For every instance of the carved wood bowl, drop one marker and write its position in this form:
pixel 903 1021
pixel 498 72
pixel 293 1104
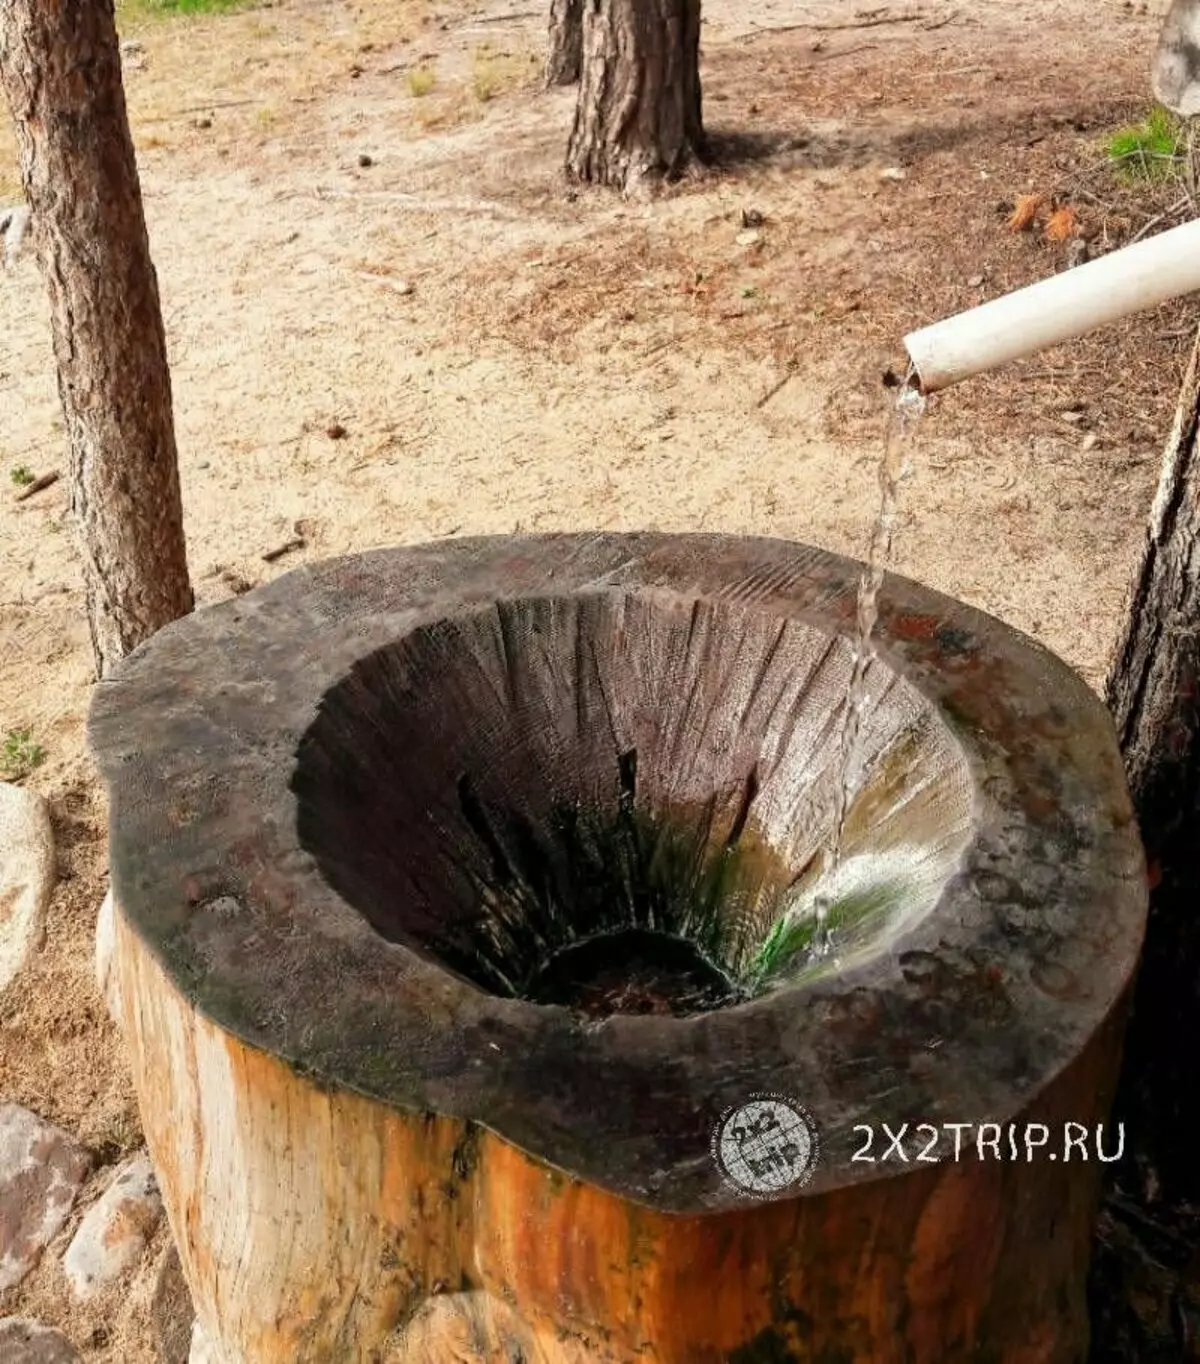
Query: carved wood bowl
pixel 530 834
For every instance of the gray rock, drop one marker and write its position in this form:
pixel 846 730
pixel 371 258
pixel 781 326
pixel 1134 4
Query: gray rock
pixel 27 874
pixel 28 1342
pixel 41 1172
pixel 171 1311
pixel 1176 72
pixel 113 1234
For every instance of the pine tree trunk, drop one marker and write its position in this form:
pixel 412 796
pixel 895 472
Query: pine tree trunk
pixel 565 54
pixel 638 117
pixel 61 71
pixel 1152 690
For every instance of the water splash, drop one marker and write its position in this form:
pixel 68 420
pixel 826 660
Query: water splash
pixel 893 467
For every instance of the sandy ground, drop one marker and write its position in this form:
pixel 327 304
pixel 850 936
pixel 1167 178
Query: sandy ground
pixel 504 353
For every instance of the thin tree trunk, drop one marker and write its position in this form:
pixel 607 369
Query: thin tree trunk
pixel 565 54
pixel 638 116
pixel 61 71
pixel 1153 690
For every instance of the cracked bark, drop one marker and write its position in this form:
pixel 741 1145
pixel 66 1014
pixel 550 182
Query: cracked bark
pixel 638 115
pixel 61 72
pixel 1151 690
pixel 565 53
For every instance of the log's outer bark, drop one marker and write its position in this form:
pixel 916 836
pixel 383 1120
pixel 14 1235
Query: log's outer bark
pixel 1153 690
pixel 318 1226
pixel 638 115
pixel 565 54
pixel 60 66
pixel 1151 687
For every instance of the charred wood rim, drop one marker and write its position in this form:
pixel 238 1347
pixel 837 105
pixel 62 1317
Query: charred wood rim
pixel 996 986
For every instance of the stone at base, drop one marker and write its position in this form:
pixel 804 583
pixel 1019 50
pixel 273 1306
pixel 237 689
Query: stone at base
pixel 28 1342
pixel 113 1234
pixel 41 1172
pixel 27 872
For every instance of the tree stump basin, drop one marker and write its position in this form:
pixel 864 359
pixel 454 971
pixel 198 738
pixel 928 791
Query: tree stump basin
pixel 469 960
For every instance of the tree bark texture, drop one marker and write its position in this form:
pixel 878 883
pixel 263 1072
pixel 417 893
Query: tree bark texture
pixel 1153 690
pixel 565 54
pixel 638 117
pixel 60 67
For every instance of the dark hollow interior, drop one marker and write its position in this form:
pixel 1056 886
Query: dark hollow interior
pixel 614 802
pixel 632 971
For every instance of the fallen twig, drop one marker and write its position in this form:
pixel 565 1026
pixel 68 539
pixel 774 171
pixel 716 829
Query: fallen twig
pixel 417 204
pixel 205 108
pixel 847 51
pixel 480 19
pixel 775 388
pixel 656 346
pixel 1162 217
pixel 280 550
pixel 1068 372
pixel 39 484
pixel 873 19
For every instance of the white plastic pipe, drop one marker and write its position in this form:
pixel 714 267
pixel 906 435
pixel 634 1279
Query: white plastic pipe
pixel 1057 309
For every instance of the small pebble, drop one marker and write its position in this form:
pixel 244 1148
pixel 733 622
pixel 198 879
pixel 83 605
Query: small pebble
pixel 1089 441
pixel 893 173
pixel 975 281
pixel 364 160
pixel 749 238
pixel 336 432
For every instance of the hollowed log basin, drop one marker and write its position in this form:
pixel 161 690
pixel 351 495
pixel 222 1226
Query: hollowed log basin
pixel 470 963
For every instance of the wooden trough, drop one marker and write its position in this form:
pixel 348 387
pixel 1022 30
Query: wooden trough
pixel 465 911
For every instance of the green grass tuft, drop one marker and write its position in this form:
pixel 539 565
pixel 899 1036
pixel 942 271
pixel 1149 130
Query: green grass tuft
pixel 154 8
pixel 21 475
pixel 420 81
pixel 1150 150
pixel 19 755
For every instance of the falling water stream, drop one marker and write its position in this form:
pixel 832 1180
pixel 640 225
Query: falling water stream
pixel 902 430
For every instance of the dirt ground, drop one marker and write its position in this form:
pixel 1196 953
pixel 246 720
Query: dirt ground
pixel 450 340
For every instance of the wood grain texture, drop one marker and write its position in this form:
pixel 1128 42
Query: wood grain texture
pixel 317 1226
